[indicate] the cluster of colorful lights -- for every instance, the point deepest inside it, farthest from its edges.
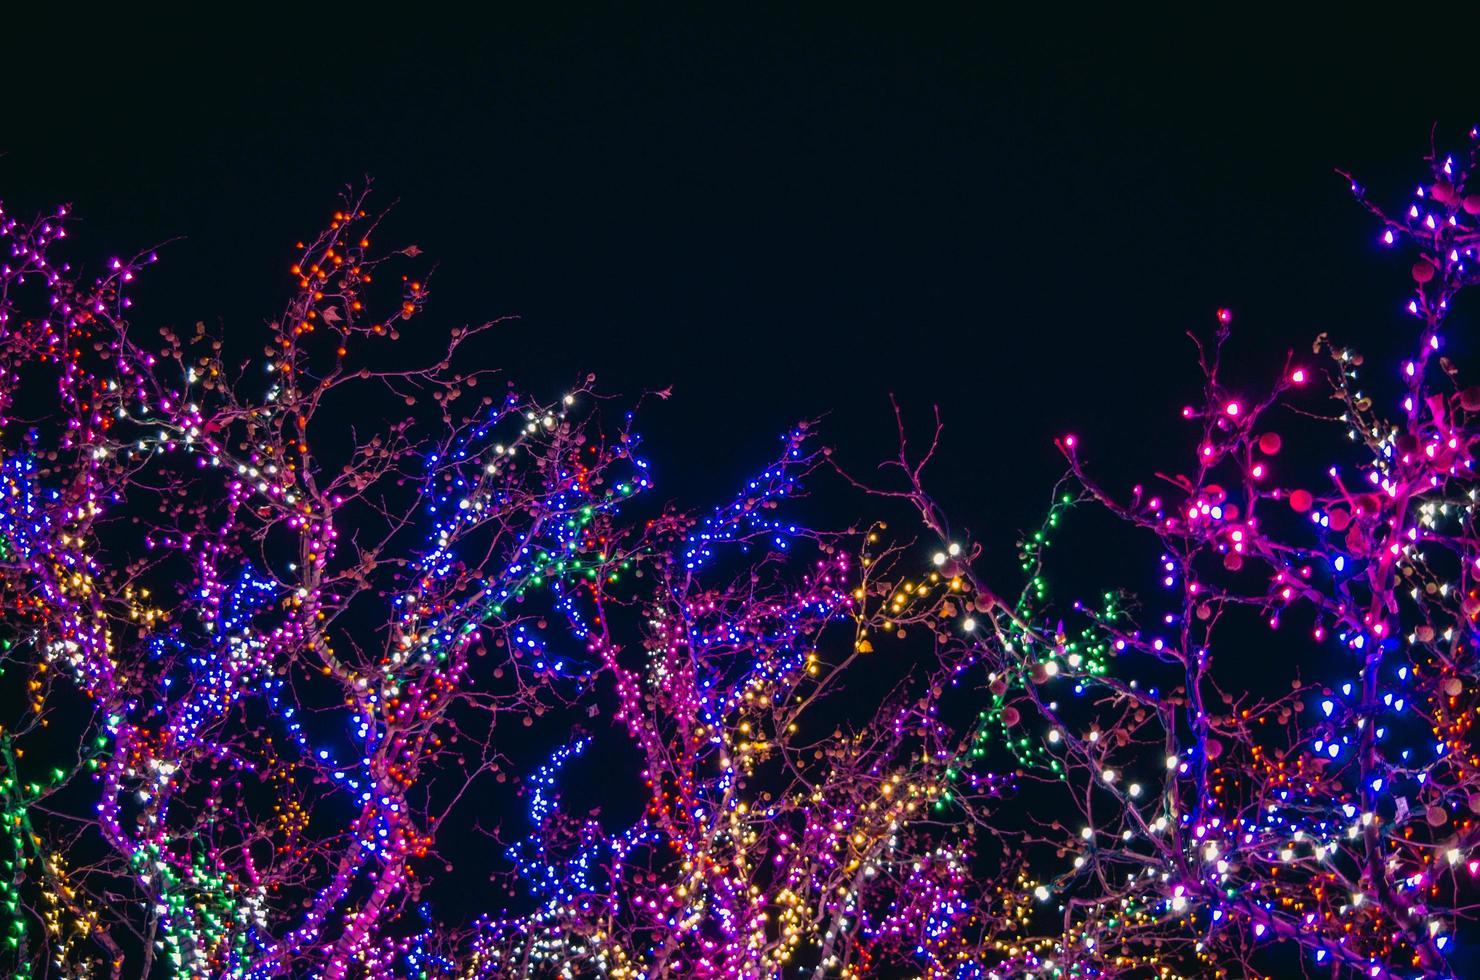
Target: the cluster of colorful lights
(264, 653)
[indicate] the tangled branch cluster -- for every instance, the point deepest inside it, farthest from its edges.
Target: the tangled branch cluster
(280, 635)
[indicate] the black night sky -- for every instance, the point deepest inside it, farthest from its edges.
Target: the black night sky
(778, 217)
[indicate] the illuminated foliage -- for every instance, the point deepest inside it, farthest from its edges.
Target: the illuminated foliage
(295, 635)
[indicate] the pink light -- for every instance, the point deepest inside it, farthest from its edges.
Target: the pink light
(1298, 376)
(1233, 408)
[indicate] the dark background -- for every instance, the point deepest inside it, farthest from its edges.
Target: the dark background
(779, 217)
